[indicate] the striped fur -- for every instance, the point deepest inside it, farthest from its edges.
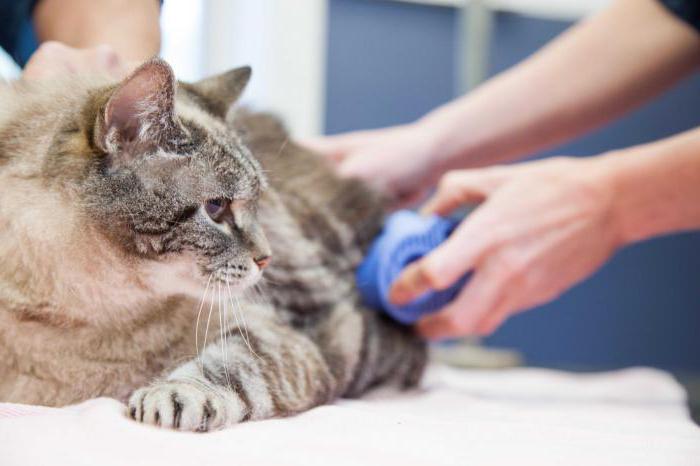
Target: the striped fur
(114, 279)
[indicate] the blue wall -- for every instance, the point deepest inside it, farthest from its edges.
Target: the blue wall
(387, 63)
(390, 62)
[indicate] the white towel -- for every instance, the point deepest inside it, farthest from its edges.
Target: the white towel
(512, 417)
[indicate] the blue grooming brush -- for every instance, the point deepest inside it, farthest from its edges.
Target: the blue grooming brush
(407, 236)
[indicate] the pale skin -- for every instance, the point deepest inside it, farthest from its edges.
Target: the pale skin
(88, 37)
(543, 226)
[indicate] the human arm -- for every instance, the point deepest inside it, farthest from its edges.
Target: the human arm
(544, 226)
(596, 71)
(130, 27)
(87, 37)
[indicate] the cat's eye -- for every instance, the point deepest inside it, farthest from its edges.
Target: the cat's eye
(216, 208)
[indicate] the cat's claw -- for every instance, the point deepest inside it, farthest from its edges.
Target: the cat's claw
(182, 406)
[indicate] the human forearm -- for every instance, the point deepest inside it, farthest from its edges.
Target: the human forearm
(130, 27)
(656, 187)
(594, 72)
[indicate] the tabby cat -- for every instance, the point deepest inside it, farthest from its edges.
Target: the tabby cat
(136, 220)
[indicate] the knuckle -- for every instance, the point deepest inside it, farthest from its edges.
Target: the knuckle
(462, 326)
(533, 280)
(449, 181)
(52, 48)
(104, 51)
(106, 55)
(104, 48)
(510, 266)
(433, 276)
(453, 322)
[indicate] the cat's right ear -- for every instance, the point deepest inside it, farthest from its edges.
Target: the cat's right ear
(140, 111)
(219, 93)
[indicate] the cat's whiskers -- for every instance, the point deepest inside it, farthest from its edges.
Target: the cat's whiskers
(282, 146)
(238, 323)
(227, 325)
(206, 331)
(199, 314)
(246, 337)
(222, 337)
(245, 326)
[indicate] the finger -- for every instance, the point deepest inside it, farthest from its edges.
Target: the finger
(322, 145)
(413, 282)
(513, 305)
(336, 147)
(362, 165)
(408, 200)
(107, 59)
(443, 266)
(491, 321)
(461, 187)
(483, 295)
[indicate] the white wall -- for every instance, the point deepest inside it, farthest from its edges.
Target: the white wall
(8, 68)
(183, 45)
(283, 40)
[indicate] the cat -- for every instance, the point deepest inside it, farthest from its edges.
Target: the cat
(163, 247)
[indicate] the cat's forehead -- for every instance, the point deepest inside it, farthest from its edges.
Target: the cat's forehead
(199, 158)
(226, 163)
(210, 158)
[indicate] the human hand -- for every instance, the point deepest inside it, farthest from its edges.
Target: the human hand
(399, 161)
(542, 227)
(55, 59)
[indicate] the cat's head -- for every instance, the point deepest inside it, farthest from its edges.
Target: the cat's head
(173, 187)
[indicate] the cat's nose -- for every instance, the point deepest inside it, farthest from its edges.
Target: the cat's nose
(262, 261)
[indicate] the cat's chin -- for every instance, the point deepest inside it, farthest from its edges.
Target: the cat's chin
(176, 276)
(182, 276)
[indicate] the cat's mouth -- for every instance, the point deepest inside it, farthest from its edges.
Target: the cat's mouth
(238, 276)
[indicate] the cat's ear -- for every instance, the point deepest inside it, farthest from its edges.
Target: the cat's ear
(220, 92)
(140, 111)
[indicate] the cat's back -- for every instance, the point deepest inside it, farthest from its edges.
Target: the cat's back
(311, 190)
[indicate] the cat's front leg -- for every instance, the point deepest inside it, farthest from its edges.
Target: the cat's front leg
(186, 405)
(255, 374)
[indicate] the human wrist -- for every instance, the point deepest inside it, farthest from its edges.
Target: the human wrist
(611, 175)
(445, 143)
(427, 137)
(654, 187)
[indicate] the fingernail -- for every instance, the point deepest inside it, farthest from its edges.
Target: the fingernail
(423, 327)
(428, 329)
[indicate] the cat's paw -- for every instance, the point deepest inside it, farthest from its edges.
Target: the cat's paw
(184, 406)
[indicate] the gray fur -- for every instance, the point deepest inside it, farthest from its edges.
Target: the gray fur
(124, 281)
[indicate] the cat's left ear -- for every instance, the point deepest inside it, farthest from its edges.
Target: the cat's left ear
(140, 111)
(219, 93)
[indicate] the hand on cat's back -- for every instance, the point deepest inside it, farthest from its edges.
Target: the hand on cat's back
(398, 161)
(54, 59)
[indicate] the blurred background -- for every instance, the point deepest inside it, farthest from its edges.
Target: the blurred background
(329, 66)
